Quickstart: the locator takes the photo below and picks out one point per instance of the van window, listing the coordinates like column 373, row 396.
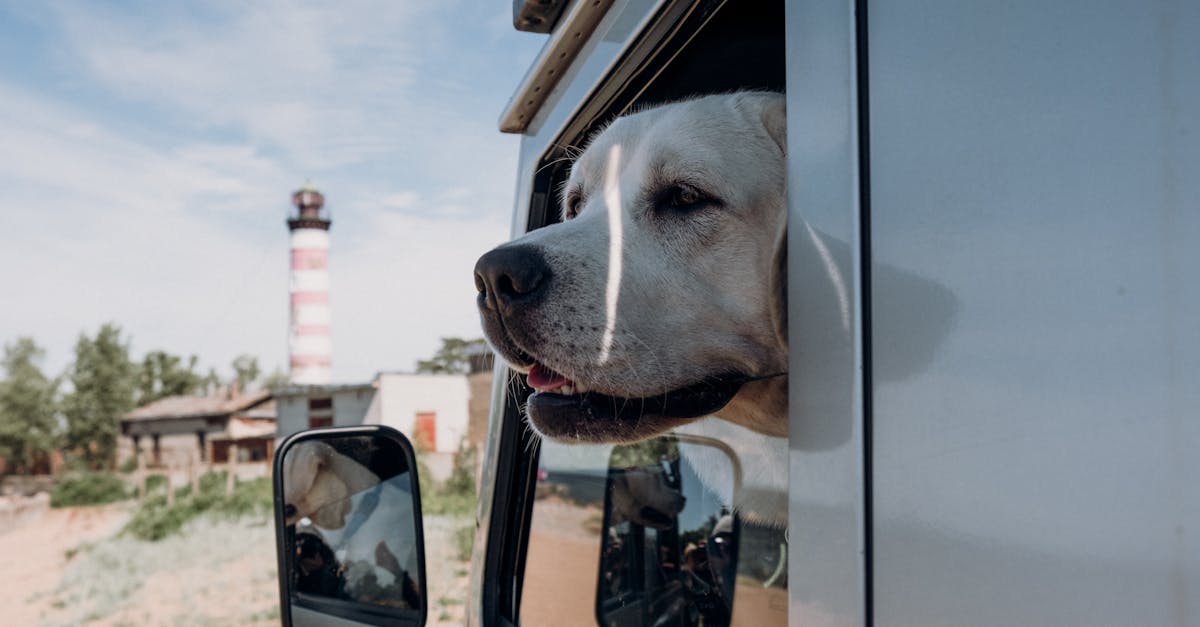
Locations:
column 575, row 563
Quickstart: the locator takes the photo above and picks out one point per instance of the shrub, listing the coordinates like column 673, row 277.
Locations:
column 89, row 489
column 464, row 542
column 155, row 482
column 437, row 502
column 129, row 465
column 454, row 496
column 155, row 519
column 462, row 477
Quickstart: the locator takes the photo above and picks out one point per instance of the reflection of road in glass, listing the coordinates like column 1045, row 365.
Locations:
column 755, row 605
column 673, row 553
column 760, row 594
column 562, row 562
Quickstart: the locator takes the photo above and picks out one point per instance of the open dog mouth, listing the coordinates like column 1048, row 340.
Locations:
column 566, row 409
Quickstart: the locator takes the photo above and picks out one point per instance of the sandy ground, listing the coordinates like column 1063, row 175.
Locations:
column 561, row 566
column 71, row 566
column 36, row 556
column 216, row 572
column 448, row 583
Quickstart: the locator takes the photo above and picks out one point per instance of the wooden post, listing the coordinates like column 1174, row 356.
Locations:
column 200, row 440
column 231, row 467
column 193, row 476
column 140, row 476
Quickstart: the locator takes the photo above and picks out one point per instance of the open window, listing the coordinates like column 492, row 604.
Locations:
column 548, row 530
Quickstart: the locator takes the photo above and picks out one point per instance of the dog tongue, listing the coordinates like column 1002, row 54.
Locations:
column 544, row 379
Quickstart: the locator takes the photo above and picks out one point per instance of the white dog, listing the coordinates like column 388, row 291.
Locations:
column 659, row 299
column 643, row 495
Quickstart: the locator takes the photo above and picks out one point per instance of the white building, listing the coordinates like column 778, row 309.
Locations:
column 431, row 409
column 300, row 407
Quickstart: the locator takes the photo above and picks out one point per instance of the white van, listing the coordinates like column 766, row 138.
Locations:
column 994, row 311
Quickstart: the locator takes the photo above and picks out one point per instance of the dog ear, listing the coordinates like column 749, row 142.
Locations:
column 774, row 117
column 772, row 111
column 301, row 467
column 779, row 317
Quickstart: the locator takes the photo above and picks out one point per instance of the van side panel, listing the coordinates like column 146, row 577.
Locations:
column 1035, row 229
column 827, row 520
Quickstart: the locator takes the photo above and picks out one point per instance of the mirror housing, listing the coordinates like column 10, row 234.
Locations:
column 349, row 538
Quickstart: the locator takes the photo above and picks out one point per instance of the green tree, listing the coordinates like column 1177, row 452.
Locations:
column 162, row 374
column 451, row 358
column 211, row 381
column 246, row 371
column 103, row 381
column 28, row 407
column 276, row 379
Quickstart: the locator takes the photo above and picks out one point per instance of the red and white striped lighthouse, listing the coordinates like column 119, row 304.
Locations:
column 310, row 347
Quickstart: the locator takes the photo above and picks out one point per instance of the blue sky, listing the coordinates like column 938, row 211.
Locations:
column 149, row 151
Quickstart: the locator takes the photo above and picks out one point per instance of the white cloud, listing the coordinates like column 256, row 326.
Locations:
column 325, row 83
column 160, row 204
column 119, row 230
column 400, row 200
column 103, row 228
column 411, row 284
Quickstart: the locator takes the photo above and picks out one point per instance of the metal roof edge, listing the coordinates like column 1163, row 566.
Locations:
column 569, row 35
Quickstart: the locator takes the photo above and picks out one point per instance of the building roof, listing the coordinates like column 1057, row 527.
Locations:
column 196, row 406
column 318, row 389
column 246, row 429
column 264, row 411
column 427, row 375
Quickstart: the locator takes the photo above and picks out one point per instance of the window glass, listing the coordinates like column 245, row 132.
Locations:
column 632, row 535
column 713, row 561
column 563, row 559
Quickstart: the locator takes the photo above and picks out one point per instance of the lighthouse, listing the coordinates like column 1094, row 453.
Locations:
column 310, row 347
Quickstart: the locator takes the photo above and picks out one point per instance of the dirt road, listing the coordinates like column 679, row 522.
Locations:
column 36, row 556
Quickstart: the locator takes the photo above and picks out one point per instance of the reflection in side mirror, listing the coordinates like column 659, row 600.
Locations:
column 348, row 528
column 670, row 544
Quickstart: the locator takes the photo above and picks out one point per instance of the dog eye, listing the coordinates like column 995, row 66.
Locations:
column 682, row 198
column 571, row 205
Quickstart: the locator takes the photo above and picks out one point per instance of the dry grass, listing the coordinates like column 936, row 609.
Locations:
column 214, row 571
column 446, row 570
column 217, row 572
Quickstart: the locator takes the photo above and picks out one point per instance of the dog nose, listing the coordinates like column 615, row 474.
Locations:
column 510, row 275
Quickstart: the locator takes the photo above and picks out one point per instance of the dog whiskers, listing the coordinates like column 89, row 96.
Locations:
column 570, row 153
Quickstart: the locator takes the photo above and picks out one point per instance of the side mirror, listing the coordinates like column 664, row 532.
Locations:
column 348, row 528
column 669, row 548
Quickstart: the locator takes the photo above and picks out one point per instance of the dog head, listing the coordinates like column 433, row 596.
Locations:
column 642, row 495
column 659, row 298
column 318, row 483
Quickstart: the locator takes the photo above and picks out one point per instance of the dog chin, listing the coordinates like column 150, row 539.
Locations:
column 591, row 417
column 504, row 348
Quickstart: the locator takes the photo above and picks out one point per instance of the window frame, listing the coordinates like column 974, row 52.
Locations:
column 599, row 84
